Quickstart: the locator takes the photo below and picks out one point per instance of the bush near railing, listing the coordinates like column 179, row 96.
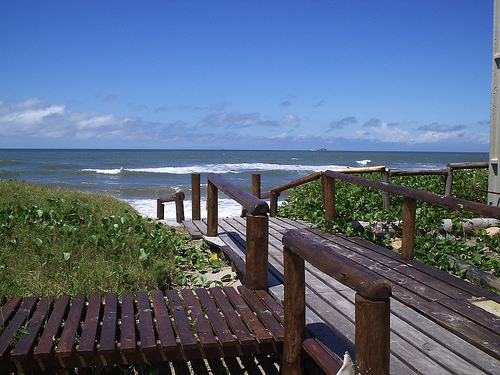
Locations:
column 432, row 243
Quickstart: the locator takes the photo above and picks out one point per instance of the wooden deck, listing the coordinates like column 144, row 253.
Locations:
column 440, row 324
column 206, row 327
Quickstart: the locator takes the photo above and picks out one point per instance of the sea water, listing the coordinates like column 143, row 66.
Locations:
column 141, row 176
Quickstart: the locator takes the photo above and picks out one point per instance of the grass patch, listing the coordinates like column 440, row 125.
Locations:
column 55, row 242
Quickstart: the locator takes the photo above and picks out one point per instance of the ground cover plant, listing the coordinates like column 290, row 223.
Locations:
column 55, row 242
column 432, row 243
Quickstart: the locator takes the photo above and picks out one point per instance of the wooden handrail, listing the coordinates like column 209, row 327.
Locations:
column 421, row 195
column 257, row 227
column 178, row 198
column 254, row 205
column 325, row 259
column 372, row 304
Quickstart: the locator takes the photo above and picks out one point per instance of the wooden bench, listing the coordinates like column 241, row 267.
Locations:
column 64, row 333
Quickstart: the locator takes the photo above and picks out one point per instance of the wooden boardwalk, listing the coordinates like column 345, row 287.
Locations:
column 439, row 324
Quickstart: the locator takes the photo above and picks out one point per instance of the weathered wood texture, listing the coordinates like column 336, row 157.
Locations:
column 435, row 325
column 178, row 198
column 254, row 205
column 195, row 196
column 421, row 195
column 105, row 330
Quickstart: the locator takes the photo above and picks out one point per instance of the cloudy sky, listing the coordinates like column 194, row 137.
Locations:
column 337, row 74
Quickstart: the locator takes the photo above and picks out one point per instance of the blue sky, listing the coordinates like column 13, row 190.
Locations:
column 340, row 74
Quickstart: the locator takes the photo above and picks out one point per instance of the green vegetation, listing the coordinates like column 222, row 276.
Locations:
column 432, row 243
column 68, row 242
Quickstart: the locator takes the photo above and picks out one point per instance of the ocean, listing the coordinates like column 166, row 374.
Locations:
column 139, row 177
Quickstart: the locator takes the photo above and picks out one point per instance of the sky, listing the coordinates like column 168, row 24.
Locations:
column 361, row 75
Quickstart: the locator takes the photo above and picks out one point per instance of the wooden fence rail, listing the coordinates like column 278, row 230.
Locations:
column 372, row 304
column 178, row 198
column 385, row 174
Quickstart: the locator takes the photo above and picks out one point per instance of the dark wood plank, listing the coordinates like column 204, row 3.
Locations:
column 232, row 318
column 263, row 313
column 258, row 329
column 109, row 325
column 15, row 325
column 66, row 345
column 273, row 305
column 201, row 324
column 51, row 332
column 146, row 328
column 8, row 310
column 226, row 339
column 166, row 333
column 328, row 361
column 27, row 342
column 90, row 327
column 128, row 340
column 181, row 321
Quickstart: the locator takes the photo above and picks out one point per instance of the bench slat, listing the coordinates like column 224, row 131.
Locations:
column 109, row 325
column 18, row 320
column 272, row 304
column 181, row 321
column 8, row 310
column 66, row 344
column 27, row 342
column 128, row 341
column 261, row 333
column 203, row 329
column 237, row 325
column 146, row 329
column 90, row 326
column 264, row 313
column 51, row 331
column 163, row 324
column 219, row 325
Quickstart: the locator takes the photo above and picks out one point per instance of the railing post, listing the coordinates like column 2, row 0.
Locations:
column 409, row 214
column 256, row 185
column 448, row 182
column 328, row 185
column 179, row 207
column 212, row 207
column 386, row 197
column 273, row 203
column 295, row 312
column 195, row 196
column 257, row 233
column 160, row 209
column 372, row 335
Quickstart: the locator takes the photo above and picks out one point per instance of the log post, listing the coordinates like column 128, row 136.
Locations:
column 386, row 197
column 257, row 233
column 273, row 203
column 179, row 207
column 195, row 197
column 295, row 312
column 160, row 209
column 212, row 207
column 409, row 215
column 448, row 182
column 256, row 185
column 372, row 335
column 328, row 185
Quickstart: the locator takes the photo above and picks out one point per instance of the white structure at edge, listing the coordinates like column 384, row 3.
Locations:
column 494, row 177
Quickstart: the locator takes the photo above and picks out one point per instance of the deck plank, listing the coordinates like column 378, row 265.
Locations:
column 425, row 341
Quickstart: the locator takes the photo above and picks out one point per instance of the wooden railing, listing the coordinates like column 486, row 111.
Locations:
column 178, row 198
column 385, row 174
column 257, row 228
column 372, row 304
